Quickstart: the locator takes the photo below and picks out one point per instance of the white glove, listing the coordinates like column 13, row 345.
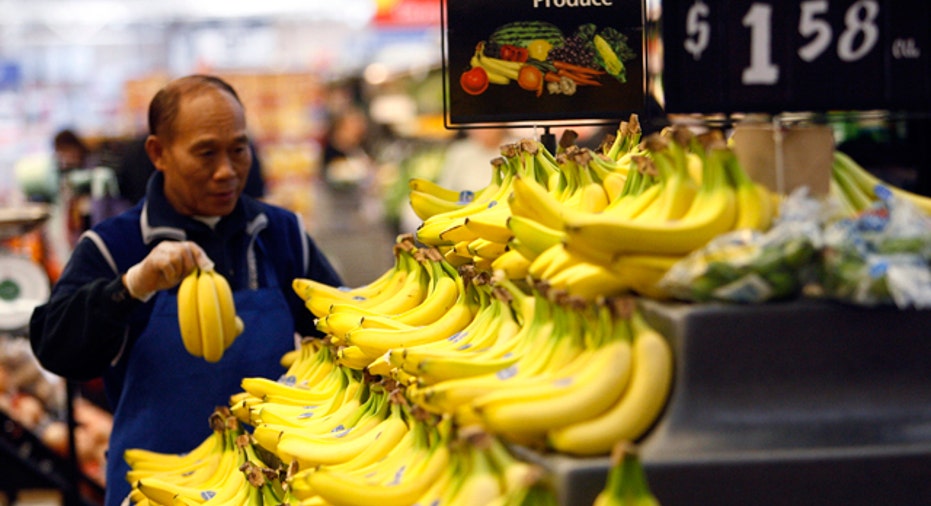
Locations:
column 164, row 267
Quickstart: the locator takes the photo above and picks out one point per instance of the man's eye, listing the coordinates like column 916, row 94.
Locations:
column 205, row 154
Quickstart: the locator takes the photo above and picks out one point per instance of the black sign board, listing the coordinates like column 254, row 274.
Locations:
column 808, row 55
column 564, row 61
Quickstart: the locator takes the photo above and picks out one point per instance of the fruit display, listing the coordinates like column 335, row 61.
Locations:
column 539, row 58
column 511, row 318
column 402, row 403
column 207, row 314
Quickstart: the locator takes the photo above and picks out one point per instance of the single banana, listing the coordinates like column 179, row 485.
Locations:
column 210, row 315
column 427, row 186
column 231, row 326
column 532, row 200
column 533, row 234
column 188, row 316
column 426, row 204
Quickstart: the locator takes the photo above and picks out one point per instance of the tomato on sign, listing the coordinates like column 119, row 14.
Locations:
column 771, row 56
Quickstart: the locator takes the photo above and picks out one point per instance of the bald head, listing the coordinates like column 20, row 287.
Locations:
column 163, row 110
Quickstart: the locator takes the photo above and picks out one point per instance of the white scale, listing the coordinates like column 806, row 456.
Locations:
column 23, row 283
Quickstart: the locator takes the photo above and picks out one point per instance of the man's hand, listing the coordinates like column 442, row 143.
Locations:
column 164, row 267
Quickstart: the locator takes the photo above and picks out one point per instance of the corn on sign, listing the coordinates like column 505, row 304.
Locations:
column 531, row 61
column 810, row 55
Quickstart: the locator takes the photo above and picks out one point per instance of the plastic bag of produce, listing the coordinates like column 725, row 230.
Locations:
column 880, row 257
column 748, row 266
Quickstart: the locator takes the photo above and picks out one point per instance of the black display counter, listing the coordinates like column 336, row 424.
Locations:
column 798, row 403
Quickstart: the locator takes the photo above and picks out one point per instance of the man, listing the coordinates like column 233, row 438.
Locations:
column 114, row 310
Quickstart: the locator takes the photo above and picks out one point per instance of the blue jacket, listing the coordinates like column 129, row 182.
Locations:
column 90, row 322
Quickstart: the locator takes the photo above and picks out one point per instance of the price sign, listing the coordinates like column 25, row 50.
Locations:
column 771, row 56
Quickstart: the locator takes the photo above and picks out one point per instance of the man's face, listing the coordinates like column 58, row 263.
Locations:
column 206, row 161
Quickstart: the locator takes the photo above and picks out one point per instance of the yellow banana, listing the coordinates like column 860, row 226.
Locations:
column 307, row 288
column 484, row 248
column 426, row 204
column 188, row 316
column 231, row 326
column 534, row 235
column 140, row 457
column 512, row 263
column 481, row 484
column 491, row 223
column 211, row 319
column 452, row 195
column 639, row 406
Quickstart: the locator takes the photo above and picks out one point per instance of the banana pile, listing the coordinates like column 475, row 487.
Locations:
column 529, row 364
column 596, row 223
column 207, row 314
column 346, row 438
column 224, row 469
column 418, row 412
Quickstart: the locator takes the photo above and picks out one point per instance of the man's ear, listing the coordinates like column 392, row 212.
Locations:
column 156, row 151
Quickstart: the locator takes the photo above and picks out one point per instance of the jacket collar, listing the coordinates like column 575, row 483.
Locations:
column 159, row 220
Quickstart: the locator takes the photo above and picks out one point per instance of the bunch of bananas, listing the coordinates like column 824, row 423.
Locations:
column 661, row 215
column 588, row 372
column 207, row 314
column 601, row 222
column 476, row 231
column 353, row 439
column 626, row 484
column 583, row 379
column 856, row 189
column 224, row 469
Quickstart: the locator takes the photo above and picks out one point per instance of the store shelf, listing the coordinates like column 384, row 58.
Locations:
column 28, row 464
column 803, row 402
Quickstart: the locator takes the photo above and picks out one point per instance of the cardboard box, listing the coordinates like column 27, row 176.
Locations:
column 787, row 157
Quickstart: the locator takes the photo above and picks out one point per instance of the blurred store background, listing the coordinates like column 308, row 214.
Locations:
column 344, row 100
column 91, row 66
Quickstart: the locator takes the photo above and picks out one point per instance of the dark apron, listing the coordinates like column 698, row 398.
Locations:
column 168, row 394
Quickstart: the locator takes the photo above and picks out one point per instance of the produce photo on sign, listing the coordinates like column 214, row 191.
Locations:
column 583, row 62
